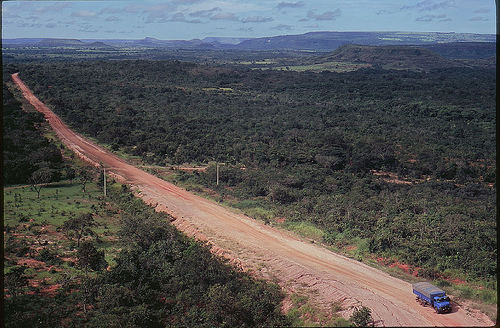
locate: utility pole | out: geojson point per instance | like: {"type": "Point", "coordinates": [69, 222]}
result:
{"type": "Point", "coordinates": [217, 172]}
{"type": "Point", "coordinates": [104, 181]}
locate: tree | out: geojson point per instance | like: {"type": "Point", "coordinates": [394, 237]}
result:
{"type": "Point", "coordinates": [89, 258]}
{"type": "Point", "coordinates": [361, 317]}
{"type": "Point", "coordinates": [16, 281]}
{"type": "Point", "coordinates": [80, 226]}
{"type": "Point", "coordinates": [39, 179]}
{"type": "Point", "coordinates": [84, 177]}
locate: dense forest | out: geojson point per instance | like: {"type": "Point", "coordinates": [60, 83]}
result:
{"type": "Point", "coordinates": [55, 268]}
{"type": "Point", "coordinates": [26, 153]}
{"type": "Point", "coordinates": [312, 147]}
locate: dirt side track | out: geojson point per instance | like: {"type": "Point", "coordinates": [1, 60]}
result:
{"type": "Point", "coordinates": [293, 263]}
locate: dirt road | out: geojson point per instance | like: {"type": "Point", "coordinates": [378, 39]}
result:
{"type": "Point", "coordinates": [271, 253]}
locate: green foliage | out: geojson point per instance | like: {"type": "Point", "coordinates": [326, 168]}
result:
{"type": "Point", "coordinates": [306, 144]}
{"type": "Point", "coordinates": [89, 258]}
{"type": "Point", "coordinates": [182, 282]}
{"type": "Point", "coordinates": [159, 278]}
{"type": "Point", "coordinates": [361, 317]}
{"type": "Point", "coordinates": [80, 226]}
{"type": "Point", "coordinates": [302, 147]}
{"type": "Point", "coordinates": [26, 153]}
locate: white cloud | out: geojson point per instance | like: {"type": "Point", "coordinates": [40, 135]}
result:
{"type": "Point", "coordinates": [205, 13]}
{"type": "Point", "coordinates": [224, 16]}
{"type": "Point", "coordinates": [256, 19]}
{"type": "Point", "coordinates": [113, 19]}
{"type": "Point", "coordinates": [430, 18]}
{"type": "Point", "coordinates": [429, 5]}
{"type": "Point", "coordinates": [245, 29]}
{"type": "Point", "coordinates": [479, 19]}
{"type": "Point", "coordinates": [84, 13]}
{"type": "Point", "coordinates": [132, 9]}
{"type": "Point", "coordinates": [313, 26]}
{"type": "Point", "coordinates": [158, 13]}
{"type": "Point", "coordinates": [179, 17]}
{"type": "Point", "coordinates": [160, 7]}
{"type": "Point", "coordinates": [284, 4]}
{"type": "Point", "coordinates": [327, 15]}
{"type": "Point", "coordinates": [282, 27]}
{"type": "Point", "coordinates": [53, 8]}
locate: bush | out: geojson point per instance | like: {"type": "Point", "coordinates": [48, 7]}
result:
{"type": "Point", "coordinates": [361, 317]}
{"type": "Point", "coordinates": [49, 256]}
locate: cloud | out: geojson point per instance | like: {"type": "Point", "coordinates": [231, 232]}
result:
{"type": "Point", "coordinates": [112, 19]}
{"type": "Point", "coordinates": [256, 19]}
{"type": "Point", "coordinates": [84, 14]}
{"type": "Point", "coordinates": [7, 13]}
{"type": "Point", "coordinates": [426, 18]}
{"type": "Point", "coordinates": [110, 10]}
{"type": "Point", "coordinates": [384, 12]}
{"type": "Point", "coordinates": [160, 7]}
{"type": "Point", "coordinates": [282, 27]}
{"type": "Point", "coordinates": [53, 8]}
{"type": "Point", "coordinates": [312, 26]}
{"type": "Point", "coordinates": [481, 11]}
{"type": "Point", "coordinates": [283, 5]}
{"type": "Point", "coordinates": [205, 13]}
{"type": "Point", "coordinates": [430, 18]}
{"type": "Point", "coordinates": [189, 2]}
{"type": "Point", "coordinates": [132, 9]}
{"type": "Point", "coordinates": [327, 15]}
{"type": "Point", "coordinates": [478, 19]}
{"type": "Point", "coordinates": [429, 5]}
{"type": "Point", "coordinates": [157, 13]}
{"type": "Point", "coordinates": [51, 25]}
{"type": "Point", "coordinates": [245, 29]}
{"type": "Point", "coordinates": [224, 16]}
{"type": "Point", "coordinates": [179, 17]}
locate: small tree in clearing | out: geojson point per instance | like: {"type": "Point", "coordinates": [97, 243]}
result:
{"type": "Point", "coordinates": [39, 179]}
{"type": "Point", "coordinates": [84, 177]}
{"type": "Point", "coordinates": [80, 226]}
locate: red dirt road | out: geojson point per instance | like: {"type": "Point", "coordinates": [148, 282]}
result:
{"type": "Point", "coordinates": [295, 264]}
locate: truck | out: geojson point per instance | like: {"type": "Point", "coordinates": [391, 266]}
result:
{"type": "Point", "coordinates": [428, 294]}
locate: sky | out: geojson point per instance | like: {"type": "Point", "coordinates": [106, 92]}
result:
{"type": "Point", "coordinates": [189, 19]}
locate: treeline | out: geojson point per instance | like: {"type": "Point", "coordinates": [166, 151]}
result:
{"type": "Point", "coordinates": [25, 150]}
{"type": "Point", "coordinates": [304, 145]}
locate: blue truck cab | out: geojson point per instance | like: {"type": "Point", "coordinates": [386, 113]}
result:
{"type": "Point", "coordinates": [428, 294]}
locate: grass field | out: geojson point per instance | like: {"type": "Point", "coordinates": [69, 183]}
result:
{"type": "Point", "coordinates": [32, 226]}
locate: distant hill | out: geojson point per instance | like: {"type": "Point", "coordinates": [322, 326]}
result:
{"type": "Point", "coordinates": [98, 44]}
{"type": "Point", "coordinates": [325, 41]}
{"type": "Point", "coordinates": [60, 43]}
{"type": "Point", "coordinates": [465, 50]}
{"type": "Point", "coordinates": [389, 57]}
{"type": "Point", "coordinates": [450, 45]}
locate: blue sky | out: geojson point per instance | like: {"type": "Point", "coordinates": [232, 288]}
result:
{"type": "Point", "coordinates": [188, 19]}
